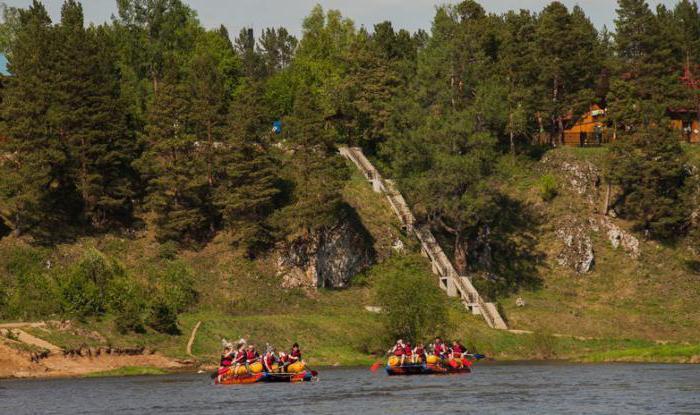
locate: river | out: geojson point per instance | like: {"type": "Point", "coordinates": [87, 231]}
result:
{"type": "Point", "coordinates": [532, 388]}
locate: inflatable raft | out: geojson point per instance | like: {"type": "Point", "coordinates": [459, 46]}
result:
{"type": "Point", "coordinates": [264, 377]}
{"type": "Point", "coordinates": [425, 369]}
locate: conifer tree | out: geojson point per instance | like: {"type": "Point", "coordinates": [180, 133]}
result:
{"type": "Point", "coordinates": [650, 168]}
{"type": "Point", "coordinates": [178, 192]}
{"type": "Point", "coordinates": [316, 170]}
{"type": "Point", "coordinates": [36, 193]}
{"type": "Point", "coordinates": [91, 117]}
{"type": "Point", "coordinates": [248, 181]}
{"type": "Point", "coordinates": [646, 81]}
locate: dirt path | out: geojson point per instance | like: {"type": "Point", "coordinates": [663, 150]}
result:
{"type": "Point", "coordinates": [27, 338]}
{"type": "Point", "coordinates": [190, 342]}
{"type": "Point", "coordinates": [39, 324]}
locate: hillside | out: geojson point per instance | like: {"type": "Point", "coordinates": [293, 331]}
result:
{"type": "Point", "coordinates": [624, 308]}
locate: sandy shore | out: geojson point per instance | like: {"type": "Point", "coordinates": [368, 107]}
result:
{"type": "Point", "coordinates": [18, 364]}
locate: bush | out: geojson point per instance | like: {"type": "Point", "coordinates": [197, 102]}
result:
{"type": "Point", "coordinates": [163, 318]}
{"type": "Point", "coordinates": [84, 291]}
{"type": "Point", "coordinates": [127, 303]}
{"type": "Point", "coordinates": [27, 288]}
{"type": "Point", "coordinates": [174, 284]}
{"type": "Point", "coordinates": [548, 187]}
{"type": "Point", "coordinates": [413, 307]}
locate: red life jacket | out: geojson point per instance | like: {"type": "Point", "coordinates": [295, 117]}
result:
{"type": "Point", "coordinates": [439, 349]}
{"type": "Point", "coordinates": [420, 351]}
{"type": "Point", "coordinates": [251, 356]}
{"type": "Point", "coordinates": [226, 360]}
{"type": "Point", "coordinates": [457, 351]}
{"type": "Point", "coordinates": [407, 350]}
{"type": "Point", "coordinates": [398, 351]}
{"type": "Point", "coordinates": [295, 355]}
{"type": "Point", "coordinates": [239, 357]}
{"type": "Point", "coordinates": [269, 359]}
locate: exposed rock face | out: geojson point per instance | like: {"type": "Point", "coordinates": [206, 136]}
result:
{"type": "Point", "coordinates": [328, 258]}
{"type": "Point", "coordinates": [577, 252]}
{"type": "Point", "coordinates": [620, 238]}
{"type": "Point", "coordinates": [581, 177]}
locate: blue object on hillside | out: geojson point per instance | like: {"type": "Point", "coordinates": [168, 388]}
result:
{"type": "Point", "coordinates": [277, 127]}
{"type": "Point", "coordinates": [3, 65]}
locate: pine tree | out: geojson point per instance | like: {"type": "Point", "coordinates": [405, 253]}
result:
{"type": "Point", "coordinates": [89, 113]}
{"type": "Point", "coordinates": [368, 87]}
{"type": "Point", "coordinates": [178, 192]}
{"type": "Point", "coordinates": [36, 192]}
{"type": "Point", "coordinates": [569, 58]}
{"type": "Point", "coordinates": [317, 172]}
{"type": "Point", "coordinates": [646, 81]}
{"type": "Point", "coordinates": [650, 168]}
{"type": "Point", "coordinates": [248, 181]}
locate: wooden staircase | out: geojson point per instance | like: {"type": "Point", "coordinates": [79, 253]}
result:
{"type": "Point", "coordinates": [454, 284]}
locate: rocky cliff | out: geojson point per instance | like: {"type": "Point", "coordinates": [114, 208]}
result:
{"type": "Point", "coordinates": [327, 258]}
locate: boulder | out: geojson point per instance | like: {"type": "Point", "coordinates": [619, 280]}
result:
{"type": "Point", "coordinates": [327, 258]}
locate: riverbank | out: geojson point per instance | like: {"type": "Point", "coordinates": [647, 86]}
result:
{"type": "Point", "coordinates": [333, 340]}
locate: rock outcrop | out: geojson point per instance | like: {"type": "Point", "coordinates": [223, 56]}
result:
{"type": "Point", "coordinates": [582, 177]}
{"type": "Point", "coordinates": [618, 237]}
{"type": "Point", "coordinates": [327, 258]}
{"type": "Point", "coordinates": [577, 252]}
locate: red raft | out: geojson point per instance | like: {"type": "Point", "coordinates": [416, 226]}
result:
{"type": "Point", "coordinates": [427, 369]}
{"type": "Point", "coordinates": [305, 376]}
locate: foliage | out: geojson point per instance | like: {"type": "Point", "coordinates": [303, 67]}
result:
{"type": "Point", "coordinates": [413, 307]}
{"type": "Point", "coordinates": [548, 187]}
{"type": "Point", "coordinates": [650, 168]}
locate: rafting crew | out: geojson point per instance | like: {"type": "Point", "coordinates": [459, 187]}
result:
{"type": "Point", "coordinates": [245, 355]}
{"type": "Point", "coordinates": [451, 353]}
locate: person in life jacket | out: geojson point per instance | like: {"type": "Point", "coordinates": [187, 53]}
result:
{"type": "Point", "coordinates": [227, 356]}
{"type": "Point", "coordinates": [295, 354]}
{"type": "Point", "coordinates": [283, 361]}
{"type": "Point", "coordinates": [457, 350]}
{"type": "Point", "coordinates": [439, 348]}
{"type": "Point", "coordinates": [419, 353]}
{"type": "Point", "coordinates": [407, 354]}
{"type": "Point", "coordinates": [251, 355]}
{"type": "Point", "coordinates": [398, 350]}
{"type": "Point", "coordinates": [269, 359]}
{"type": "Point", "coordinates": [239, 355]}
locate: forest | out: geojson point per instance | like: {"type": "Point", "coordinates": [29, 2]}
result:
{"type": "Point", "coordinates": [155, 122]}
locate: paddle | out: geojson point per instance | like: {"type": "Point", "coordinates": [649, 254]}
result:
{"type": "Point", "coordinates": [376, 365]}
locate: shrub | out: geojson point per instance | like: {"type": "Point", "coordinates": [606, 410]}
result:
{"type": "Point", "coordinates": [84, 291]}
{"type": "Point", "coordinates": [163, 318]}
{"type": "Point", "coordinates": [548, 187]}
{"type": "Point", "coordinates": [413, 307]}
{"type": "Point", "coordinates": [127, 302]}
{"type": "Point", "coordinates": [174, 284]}
{"type": "Point", "coordinates": [27, 289]}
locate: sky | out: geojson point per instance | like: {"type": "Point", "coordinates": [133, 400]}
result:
{"type": "Point", "coordinates": [407, 14]}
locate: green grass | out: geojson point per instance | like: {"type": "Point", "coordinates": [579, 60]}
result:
{"type": "Point", "coordinates": [129, 371]}
{"type": "Point", "coordinates": [667, 353]}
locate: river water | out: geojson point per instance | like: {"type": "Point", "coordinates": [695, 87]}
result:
{"type": "Point", "coordinates": [491, 389]}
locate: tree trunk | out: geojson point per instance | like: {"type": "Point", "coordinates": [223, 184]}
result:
{"type": "Point", "coordinates": [461, 255]}
{"type": "Point", "coordinates": [210, 151]}
{"type": "Point", "coordinates": [512, 138]}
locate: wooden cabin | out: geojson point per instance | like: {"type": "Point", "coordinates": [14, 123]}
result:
{"type": "Point", "coordinates": [686, 123]}
{"type": "Point", "coordinates": [589, 130]}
